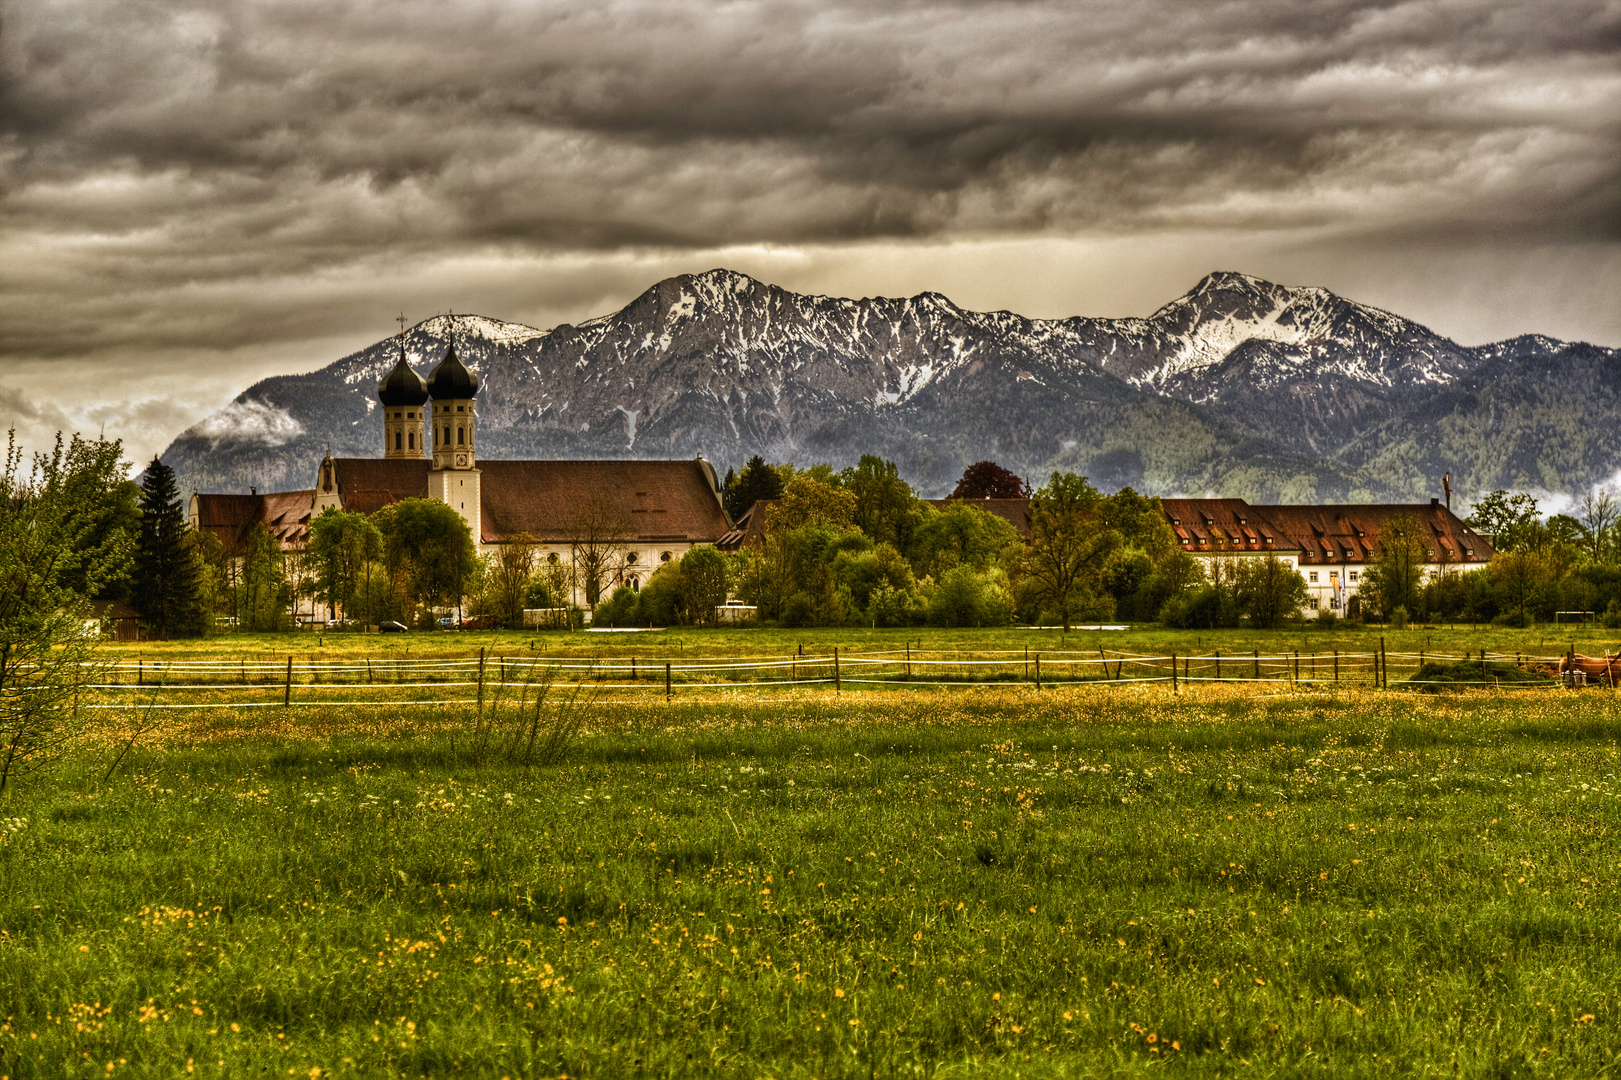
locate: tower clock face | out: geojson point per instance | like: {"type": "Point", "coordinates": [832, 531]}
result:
{"type": "Point", "coordinates": [461, 459]}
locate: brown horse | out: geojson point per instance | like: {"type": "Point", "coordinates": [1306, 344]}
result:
{"type": "Point", "coordinates": [1604, 669]}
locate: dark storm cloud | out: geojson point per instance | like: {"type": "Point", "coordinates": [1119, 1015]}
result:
{"type": "Point", "coordinates": [211, 175]}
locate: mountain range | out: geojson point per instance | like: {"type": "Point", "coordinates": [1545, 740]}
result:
{"type": "Point", "coordinates": [1240, 387]}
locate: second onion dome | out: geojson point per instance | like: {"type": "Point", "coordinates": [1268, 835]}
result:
{"type": "Point", "coordinates": [451, 379]}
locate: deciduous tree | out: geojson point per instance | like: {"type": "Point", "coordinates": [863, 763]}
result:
{"type": "Point", "coordinates": [342, 547]}
{"type": "Point", "coordinates": [1069, 545]}
{"type": "Point", "coordinates": [51, 561]}
{"type": "Point", "coordinates": [988, 480]}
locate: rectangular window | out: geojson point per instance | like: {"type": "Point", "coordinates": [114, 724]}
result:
{"type": "Point", "coordinates": [1353, 575]}
{"type": "Point", "coordinates": [1313, 577]}
{"type": "Point", "coordinates": [461, 408]}
{"type": "Point", "coordinates": [396, 416]}
{"type": "Point", "coordinates": [410, 416]}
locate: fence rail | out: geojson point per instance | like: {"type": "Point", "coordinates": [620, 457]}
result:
{"type": "Point", "coordinates": [399, 681]}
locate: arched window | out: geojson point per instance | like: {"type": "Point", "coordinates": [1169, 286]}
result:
{"type": "Point", "coordinates": [447, 436]}
{"type": "Point", "coordinates": [635, 584]}
{"type": "Point", "coordinates": [411, 441]}
{"type": "Point", "coordinates": [461, 436]}
{"type": "Point", "coordinates": [396, 440]}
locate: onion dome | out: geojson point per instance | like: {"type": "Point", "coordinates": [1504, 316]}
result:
{"type": "Point", "coordinates": [402, 386]}
{"type": "Point", "coordinates": [451, 379]}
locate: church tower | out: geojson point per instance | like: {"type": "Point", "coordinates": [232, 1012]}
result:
{"type": "Point", "coordinates": [452, 388]}
{"type": "Point", "coordinates": [403, 393]}
{"type": "Point", "coordinates": [454, 478]}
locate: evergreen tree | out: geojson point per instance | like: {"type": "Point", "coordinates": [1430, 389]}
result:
{"type": "Point", "coordinates": [757, 481]}
{"type": "Point", "coordinates": [166, 571]}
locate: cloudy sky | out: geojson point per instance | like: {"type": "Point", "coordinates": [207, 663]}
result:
{"type": "Point", "coordinates": [194, 195]}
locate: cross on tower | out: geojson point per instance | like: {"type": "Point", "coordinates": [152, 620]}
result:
{"type": "Point", "coordinates": [400, 318]}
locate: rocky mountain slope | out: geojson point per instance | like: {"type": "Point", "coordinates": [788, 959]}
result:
{"type": "Point", "coordinates": [1241, 387]}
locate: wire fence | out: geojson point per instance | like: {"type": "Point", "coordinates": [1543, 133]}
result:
{"type": "Point", "coordinates": [293, 681]}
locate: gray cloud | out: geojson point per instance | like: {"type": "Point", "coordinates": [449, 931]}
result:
{"type": "Point", "coordinates": [240, 180]}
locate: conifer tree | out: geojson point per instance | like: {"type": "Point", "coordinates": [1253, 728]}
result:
{"type": "Point", "coordinates": [166, 571]}
{"type": "Point", "coordinates": [757, 481]}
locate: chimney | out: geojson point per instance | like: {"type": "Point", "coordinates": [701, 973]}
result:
{"type": "Point", "coordinates": [253, 491]}
{"type": "Point", "coordinates": [1435, 502]}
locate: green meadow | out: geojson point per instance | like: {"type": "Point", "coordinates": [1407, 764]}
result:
{"type": "Point", "coordinates": [992, 881]}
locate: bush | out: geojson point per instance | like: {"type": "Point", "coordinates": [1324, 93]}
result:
{"type": "Point", "coordinates": [797, 611]}
{"type": "Point", "coordinates": [1612, 616]}
{"type": "Point", "coordinates": [1398, 618]}
{"type": "Point", "coordinates": [1434, 677]}
{"type": "Point", "coordinates": [1204, 608]}
{"type": "Point", "coordinates": [1511, 618]}
{"type": "Point", "coordinates": [619, 610]}
{"type": "Point", "coordinates": [1327, 619]}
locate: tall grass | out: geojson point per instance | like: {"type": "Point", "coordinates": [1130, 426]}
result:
{"type": "Point", "coordinates": [993, 882]}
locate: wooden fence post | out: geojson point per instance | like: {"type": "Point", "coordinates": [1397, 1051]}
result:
{"type": "Point", "coordinates": [287, 687]}
{"type": "Point", "coordinates": [1336, 665]}
{"type": "Point", "coordinates": [1038, 671]}
{"type": "Point", "coordinates": [836, 687]}
{"type": "Point", "coordinates": [1173, 674]}
{"type": "Point", "coordinates": [1384, 665]}
{"type": "Point", "coordinates": [140, 672]}
{"type": "Point", "coordinates": [1255, 672]}
{"type": "Point", "coordinates": [909, 662]}
{"type": "Point", "coordinates": [666, 680]}
{"type": "Point", "coordinates": [1218, 665]}
{"type": "Point", "coordinates": [480, 708]}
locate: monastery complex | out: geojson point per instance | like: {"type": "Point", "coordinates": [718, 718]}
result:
{"type": "Point", "coordinates": [662, 509]}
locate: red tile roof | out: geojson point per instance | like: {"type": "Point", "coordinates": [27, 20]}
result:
{"type": "Point", "coordinates": [1349, 533]}
{"type": "Point", "coordinates": [231, 518]}
{"type": "Point", "coordinates": [657, 500]}
{"type": "Point", "coordinates": [749, 529]}
{"type": "Point", "coordinates": [1205, 525]}
{"type": "Point", "coordinates": [1319, 535]}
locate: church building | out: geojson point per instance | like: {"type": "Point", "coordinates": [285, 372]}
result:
{"type": "Point", "coordinates": [647, 512]}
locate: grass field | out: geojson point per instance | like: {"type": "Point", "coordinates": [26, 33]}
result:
{"type": "Point", "coordinates": [676, 642]}
{"type": "Point", "coordinates": [981, 882]}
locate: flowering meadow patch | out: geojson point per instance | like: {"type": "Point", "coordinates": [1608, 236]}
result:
{"type": "Point", "coordinates": [993, 881]}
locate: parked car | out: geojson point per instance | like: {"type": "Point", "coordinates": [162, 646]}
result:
{"type": "Point", "coordinates": [447, 623]}
{"type": "Point", "coordinates": [391, 627]}
{"type": "Point", "coordinates": [479, 622]}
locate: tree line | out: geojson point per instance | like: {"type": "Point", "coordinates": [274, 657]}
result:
{"type": "Point", "coordinates": [856, 546]}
